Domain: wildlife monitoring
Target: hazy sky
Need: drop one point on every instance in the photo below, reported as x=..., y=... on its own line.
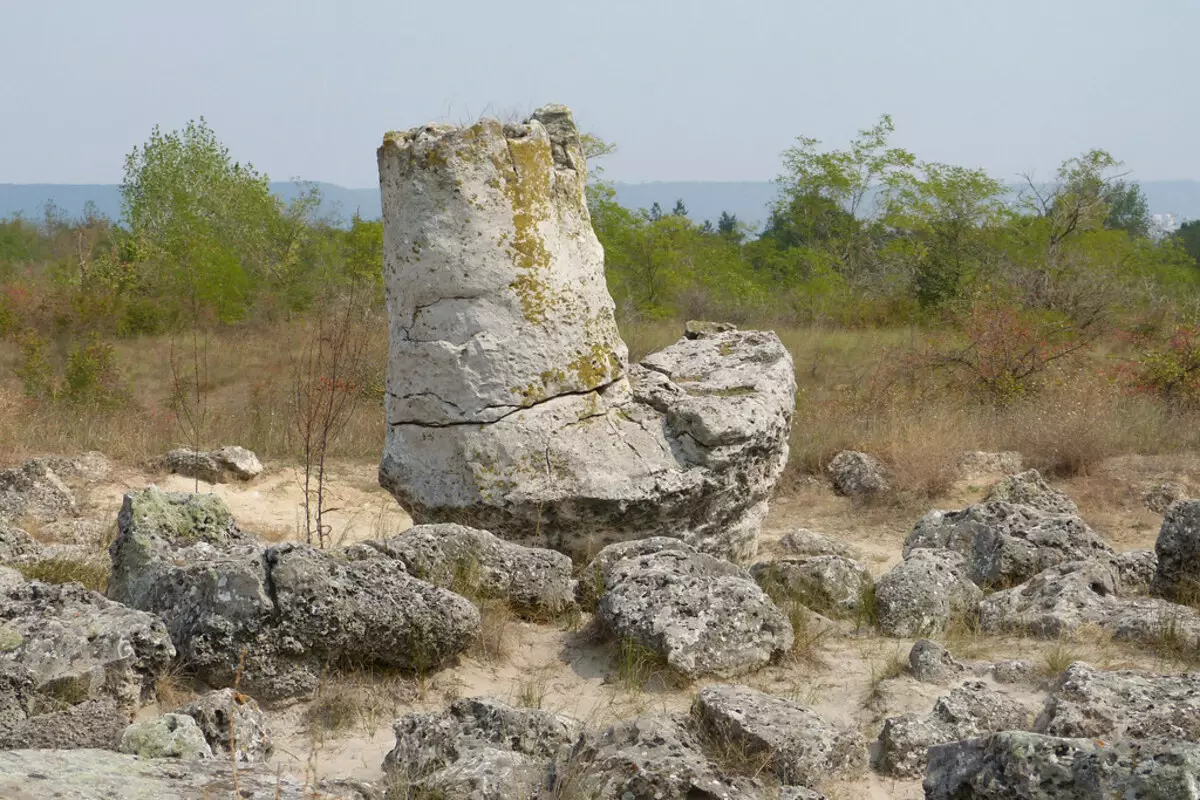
x=695, y=90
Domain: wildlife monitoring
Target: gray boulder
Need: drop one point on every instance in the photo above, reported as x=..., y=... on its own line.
x=1178, y=547
x=791, y=741
x=980, y=464
x=929, y=662
x=34, y=490
x=168, y=736
x=704, y=616
x=95, y=774
x=1029, y=488
x=1027, y=766
x=856, y=474
x=803, y=542
x=81, y=470
x=1006, y=543
x=478, y=748
x=832, y=585
x=1013, y=671
x=970, y=710
x=233, y=721
x=1160, y=497
x=534, y=581
x=924, y=592
x=1086, y=702
x=80, y=646
x=9, y=579
x=217, y=466
x=90, y=724
x=16, y=544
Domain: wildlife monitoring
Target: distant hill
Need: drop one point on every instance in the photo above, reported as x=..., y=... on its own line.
x=704, y=199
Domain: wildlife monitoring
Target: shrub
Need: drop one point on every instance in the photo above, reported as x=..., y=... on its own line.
x=1171, y=370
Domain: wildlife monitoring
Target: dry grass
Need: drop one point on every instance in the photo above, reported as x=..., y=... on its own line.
x=91, y=572
x=360, y=699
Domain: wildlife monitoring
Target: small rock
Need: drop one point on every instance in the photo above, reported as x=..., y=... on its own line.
x=1029, y=488
x=90, y=724
x=86, y=468
x=1126, y=704
x=931, y=663
x=980, y=464
x=803, y=542
x=1136, y=570
x=1014, y=671
x=921, y=594
x=16, y=544
x=213, y=712
x=856, y=474
x=34, y=490
x=168, y=736
x=1162, y=496
x=216, y=466
x=1177, y=577
x=698, y=329
x=832, y=585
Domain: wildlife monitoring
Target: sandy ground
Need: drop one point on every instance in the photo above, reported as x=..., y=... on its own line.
x=567, y=670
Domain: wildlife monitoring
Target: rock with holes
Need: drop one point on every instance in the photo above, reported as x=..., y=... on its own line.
x=972, y=709
x=90, y=774
x=1016, y=670
x=1029, y=488
x=535, y=581
x=789, y=740
x=1160, y=497
x=231, y=721
x=803, y=542
x=79, y=646
x=276, y=615
x=1015, y=765
x=10, y=579
x=1125, y=704
x=35, y=491
x=16, y=545
x=929, y=662
x=662, y=757
x=511, y=405
x=981, y=464
x=1177, y=576
x=81, y=470
x=478, y=748
x=92, y=723
x=832, y=585
x=216, y=466
x=168, y=736
x=856, y=474
x=701, y=615
x=924, y=592
x=1136, y=570
x=1007, y=543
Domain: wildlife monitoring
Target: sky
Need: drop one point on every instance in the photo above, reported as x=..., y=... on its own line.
x=696, y=90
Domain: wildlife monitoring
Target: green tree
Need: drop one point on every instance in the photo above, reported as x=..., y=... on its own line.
x=1127, y=209
x=1188, y=237
x=680, y=209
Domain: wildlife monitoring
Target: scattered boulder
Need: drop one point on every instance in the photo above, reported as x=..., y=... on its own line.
x=1160, y=497
x=1013, y=671
x=34, y=490
x=1014, y=765
x=227, y=719
x=832, y=585
x=791, y=741
x=478, y=748
x=704, y=616
x=1029, y=488
x=803, y=542
x=288, y=608
x=90, y=724
x=216, y=466
x=856, y=474
x=924, y=592
x=16, y=545
x=698, y=329
x=9, y=578
x=1006, y=543
x=80, y=646
x=929, y=662
x=83, y=469
x=972, y=709
x=1086, y=702
x=1178, y=547
x=980, y=464
x=168, y=736
x=85, y=774
x=535, y=582
x=512, y=403
x=1136, y=570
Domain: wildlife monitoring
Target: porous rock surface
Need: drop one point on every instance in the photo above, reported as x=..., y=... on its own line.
x=1029, y=488
x=90, y=724
x=1178, y=548
x=832, y=585
x=856, y=474
x=1015, y=765
x=922, y=593
x=704, y=616
x=215, y=466
x=534, y=580
x=34, y=490
x=804, y=542
x=930, y=662
x=972, y=709
x=981, y=463
x=792, y=741
x=224, y=714
x=1006, y=543
x=1122, y=704
x=289, y=608
x=478, y=748
x=510, y=405
x=1161, y=496
x=168, y=736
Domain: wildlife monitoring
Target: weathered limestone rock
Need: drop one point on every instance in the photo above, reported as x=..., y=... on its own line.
x=1086, y=702
x=510, y=403
x=980, y=464
x=534, y=581
x=217, y=466
x=1178, y=549
x=922, y=593
x=856, y=474
x=91, y=774
x=10, y=579
x=79, y=646
x=168, y=736
x=1029, y=488
x=1027, y=766
x=1160, y=497
x=1007, y=543
x=791, y=741
x=704, y=616
x=16, y=544
x=970, y=710
x=803, y=542
x=215, y=711
x=1136, y=570
x=478, y=748
x=92, y=723
x=831, y=585
x=290, y=608
x=1016, y=670
x=929, y=662
x=34, y=490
